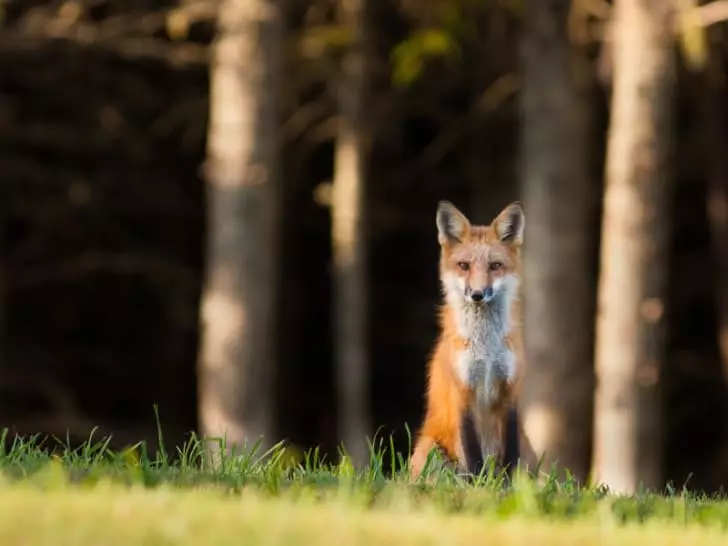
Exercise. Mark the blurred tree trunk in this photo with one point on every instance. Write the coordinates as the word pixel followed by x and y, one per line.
pixel 560 201
pixel 349 241
pixel 635 229
pixel 237 358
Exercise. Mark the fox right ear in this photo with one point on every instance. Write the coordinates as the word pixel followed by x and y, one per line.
pixel 509 224
pixel 452 225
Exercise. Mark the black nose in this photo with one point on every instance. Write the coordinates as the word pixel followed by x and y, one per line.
pixel 477 295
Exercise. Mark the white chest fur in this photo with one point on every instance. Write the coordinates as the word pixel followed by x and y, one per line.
pixel 487 361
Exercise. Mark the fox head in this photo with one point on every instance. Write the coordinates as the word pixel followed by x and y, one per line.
pixel 479 264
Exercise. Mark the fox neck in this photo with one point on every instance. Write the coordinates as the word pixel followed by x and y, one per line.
pixel 482 325
pixel 486 358
pixel 475 321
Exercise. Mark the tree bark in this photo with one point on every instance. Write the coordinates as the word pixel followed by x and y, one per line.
pixel 237 357
pixel 560 200
pixel 635 229
pixel 349 242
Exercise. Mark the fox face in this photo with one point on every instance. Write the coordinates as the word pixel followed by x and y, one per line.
pixel 479 264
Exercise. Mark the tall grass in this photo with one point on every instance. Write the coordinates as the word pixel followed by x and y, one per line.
pixel 384 482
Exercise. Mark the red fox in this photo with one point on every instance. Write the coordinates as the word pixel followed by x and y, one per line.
pixel 474 371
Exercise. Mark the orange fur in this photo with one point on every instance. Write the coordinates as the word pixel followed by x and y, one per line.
pixel 475 366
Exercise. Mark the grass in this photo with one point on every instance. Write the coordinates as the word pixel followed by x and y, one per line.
pixel 92 495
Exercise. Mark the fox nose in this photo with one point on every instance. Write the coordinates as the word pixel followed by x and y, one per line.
pixel 480 295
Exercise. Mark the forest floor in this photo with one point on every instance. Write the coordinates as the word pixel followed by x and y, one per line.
pixel 93 496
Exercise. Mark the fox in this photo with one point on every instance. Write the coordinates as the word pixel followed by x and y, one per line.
pixel 474 371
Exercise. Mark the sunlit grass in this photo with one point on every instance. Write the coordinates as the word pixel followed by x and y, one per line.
pixel 94 495
pixel 107 514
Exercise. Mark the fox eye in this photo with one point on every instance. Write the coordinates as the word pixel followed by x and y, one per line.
pixel 464 265
pixel 494 266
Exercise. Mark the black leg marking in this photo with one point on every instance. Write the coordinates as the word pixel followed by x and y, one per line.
pixel 512 452
pixel 471 446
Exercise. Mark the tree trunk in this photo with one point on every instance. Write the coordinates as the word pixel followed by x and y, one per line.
pixel 349 243
pixel 635 229
pixel 560 200
pixel 237 357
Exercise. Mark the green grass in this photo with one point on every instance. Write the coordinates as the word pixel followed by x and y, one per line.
pixel 93 495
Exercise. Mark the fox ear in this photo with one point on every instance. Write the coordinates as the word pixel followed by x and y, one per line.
pixel 509 224
pixel 452 225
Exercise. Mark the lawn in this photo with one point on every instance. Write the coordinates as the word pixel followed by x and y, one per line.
pixel 92 496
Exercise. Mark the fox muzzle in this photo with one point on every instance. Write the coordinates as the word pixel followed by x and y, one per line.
pixel 486 294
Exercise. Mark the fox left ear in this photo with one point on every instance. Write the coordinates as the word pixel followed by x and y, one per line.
pixel 452 225
pixel 509 224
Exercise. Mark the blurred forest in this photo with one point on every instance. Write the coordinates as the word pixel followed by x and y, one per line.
pixel 159 164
